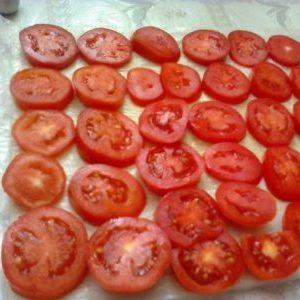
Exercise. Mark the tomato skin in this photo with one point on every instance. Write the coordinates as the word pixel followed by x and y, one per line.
pixel 214 122
pixel 295 81
pixel 270 122
pixel 155 44
pixel 291 218
pixel 296 115
pixel 180 81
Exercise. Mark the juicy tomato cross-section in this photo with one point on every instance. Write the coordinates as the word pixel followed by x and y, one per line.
pixel 296 115
pixel 295 81
pixel 291 218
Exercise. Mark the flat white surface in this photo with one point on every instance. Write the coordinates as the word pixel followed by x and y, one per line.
pixel 265 17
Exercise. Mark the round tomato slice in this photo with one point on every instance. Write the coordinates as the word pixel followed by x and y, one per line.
pixel 209 267
pixel 101 192
pixel 232 162
pixel 107 137
pixel 105 46
pixel 181 81
pixel 269 81
pixel 281 170
pixel 295 81
pixel 270 122
pixel 164 121
pixel 245 204
pixel 297 116
pixel 47 132
pixel 188 216
pixel 33 180
pixel 165 168
pixel 271 256
pixel 284 50
pixel 226 83
pixel 155 44
pixel 205 46
pixel 48 46
pixel 38 88
pixel 128 255
pixel 214 121
pixel 247 48
pixel 44 253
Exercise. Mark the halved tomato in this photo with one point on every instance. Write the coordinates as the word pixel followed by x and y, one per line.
pixel 188 216
pixel 164 121
pixel 297 116
pixel 295 81
pixel 107 137
pixel 33 180
pixel 101 192
pixel 209 267
pixel 291 218
pixel 38 88
pixel 270 122
pixel 205 46
pixel 281 170
pixel 99 86
pixel 271 256
pixel 232 162
pixel 128 255
pixel 44 253
pixel 215 122
pixel 165 168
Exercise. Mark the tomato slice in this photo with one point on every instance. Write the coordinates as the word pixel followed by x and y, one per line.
pixel 155 44
pixel 47 45
pixel 226 83
pixel 284 50
pixel 107 137
pixel 245 204
pixel 38 88
pixel 165 168
pixel 291 218
pixel 128 255
pixel 47 132
pixel 271 256
pixel 232 162
pixel 270 122
pixel 165 121
pixel 209 267
pixel 181 81
pixel 269 81
pixel 297 116
pixel 205 46
pixel 214 121
pixel 189 216
pixel 281 170
pixel 44 253
pixel 101 192
pixel 295 81
pixel 247 48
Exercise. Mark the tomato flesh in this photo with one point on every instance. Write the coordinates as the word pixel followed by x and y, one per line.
pixel 291 218
pixel 296 116
pixel 295 81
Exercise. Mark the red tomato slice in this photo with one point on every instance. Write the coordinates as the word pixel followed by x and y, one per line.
pixel 48 46
pixel 33 180
pixel 165 121
pixel 181 81
pixel 107 137
pixel 291 218
pixel 165 168
pixel 281 170
pixel 226 83
pixel 214 121
pixel 297 116
pixel 270 122
pixel 188 216
pixel 269 81
pixel 295 81
pixel 101 192
pixel 209 267
pixel 128 255
pixel 205 46
pixel 38 88
pixel 247 48
pixel 284 50
pixel 44 253
pixel 47 132
pixel 232 162
pixel 144 86
pixel 271 256
pixel 155 44
pixel 99 87
pixel 245 204
pixel 105 46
